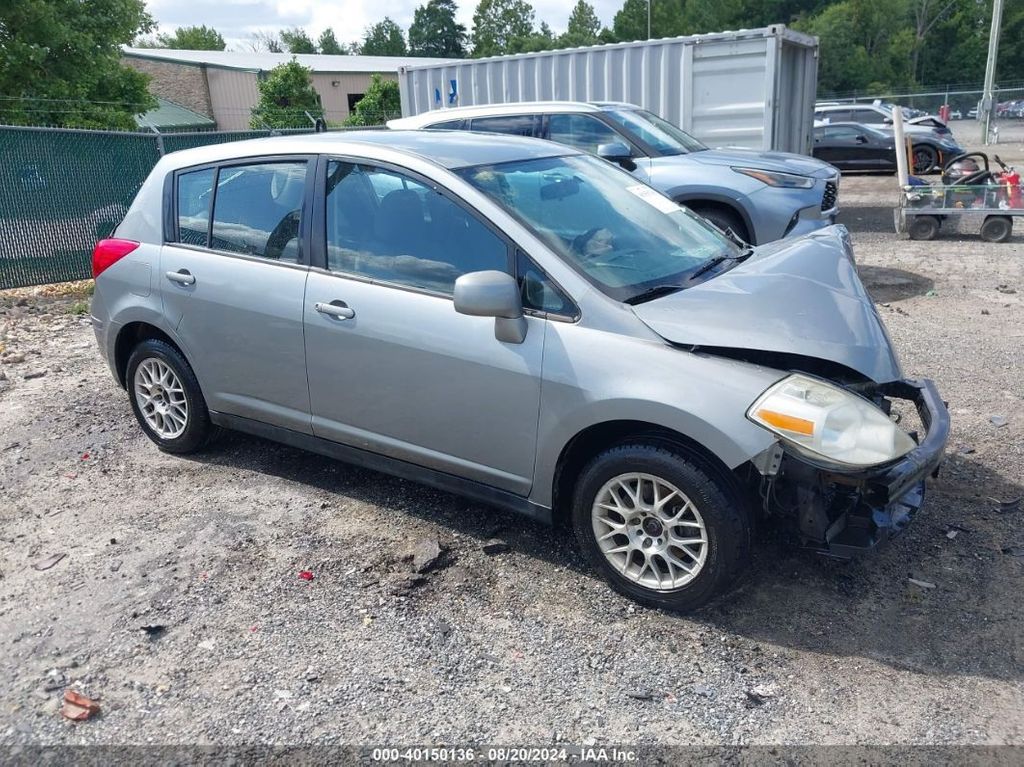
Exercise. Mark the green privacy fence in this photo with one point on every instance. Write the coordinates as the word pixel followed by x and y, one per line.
pixel 62 189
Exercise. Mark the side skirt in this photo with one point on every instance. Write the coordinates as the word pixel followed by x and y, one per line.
pixel 476 491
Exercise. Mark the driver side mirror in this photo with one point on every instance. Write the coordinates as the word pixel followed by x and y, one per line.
pixel 493 294
pixel 618 153
pixel 861 138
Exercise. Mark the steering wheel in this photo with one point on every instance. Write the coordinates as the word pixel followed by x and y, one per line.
pixel 287 229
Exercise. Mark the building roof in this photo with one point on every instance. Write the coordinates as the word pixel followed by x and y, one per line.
pixel 255 62
pixel 168 114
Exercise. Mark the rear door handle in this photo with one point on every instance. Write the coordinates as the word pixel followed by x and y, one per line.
pixel 337 309
pixel 182 277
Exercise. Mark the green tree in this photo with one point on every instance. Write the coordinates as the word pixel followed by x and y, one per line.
pixel 295 40
pixel 286 95
pixel 862 48
pixel 201 38
pixel 381 103
pixel 583 28
pixel 329 45
pixel 542 39
pixel 435 32
pixel 630 23
pixel 383 39
pixel 498 23
pixel 60 63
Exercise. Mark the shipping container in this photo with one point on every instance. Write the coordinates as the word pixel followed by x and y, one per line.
pixel 753 88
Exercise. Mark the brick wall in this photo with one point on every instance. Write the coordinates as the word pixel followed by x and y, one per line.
pixel 181 83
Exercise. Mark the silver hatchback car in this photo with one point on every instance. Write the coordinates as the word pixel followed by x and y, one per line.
pixel 524 324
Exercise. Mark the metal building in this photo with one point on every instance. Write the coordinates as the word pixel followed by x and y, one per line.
pixel 751 88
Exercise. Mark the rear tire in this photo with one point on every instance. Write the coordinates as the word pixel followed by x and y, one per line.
pixel 166 398
pixel 659 526
pixel 923 227
pixel 724 219
pixel 997 228
pixel 925 158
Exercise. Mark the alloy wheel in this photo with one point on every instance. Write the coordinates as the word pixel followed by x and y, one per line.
pixel 161 398
pixel 649 531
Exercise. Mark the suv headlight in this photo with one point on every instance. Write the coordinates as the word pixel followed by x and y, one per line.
pixel 774 178
pixel 830 423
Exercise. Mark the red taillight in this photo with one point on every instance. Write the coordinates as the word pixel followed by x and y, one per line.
pixel 108 252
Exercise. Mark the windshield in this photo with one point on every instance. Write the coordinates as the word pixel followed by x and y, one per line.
pixel 661 135
pixel 622 236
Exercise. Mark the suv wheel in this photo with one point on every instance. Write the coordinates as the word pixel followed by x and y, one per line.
pixel 659 527
pixel 166 398
pixel 723 219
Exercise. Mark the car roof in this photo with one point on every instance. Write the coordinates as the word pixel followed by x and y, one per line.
pixel 836 107
pixel 448 149
pixel 500 110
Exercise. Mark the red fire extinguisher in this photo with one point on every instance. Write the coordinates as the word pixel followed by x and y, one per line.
pixel 1011 178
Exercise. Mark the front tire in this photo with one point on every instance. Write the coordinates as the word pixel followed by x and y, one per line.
pixel 166 398
pixel 661 528
pixel 723 219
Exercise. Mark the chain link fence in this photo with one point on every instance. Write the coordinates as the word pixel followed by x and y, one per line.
pixel 62 189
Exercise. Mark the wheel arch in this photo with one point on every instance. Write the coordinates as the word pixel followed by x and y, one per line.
pixel 130 336
pixel 698 201
pixel 591 441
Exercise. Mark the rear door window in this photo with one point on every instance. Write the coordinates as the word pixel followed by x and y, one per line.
pixel 512 125
pixel 258 210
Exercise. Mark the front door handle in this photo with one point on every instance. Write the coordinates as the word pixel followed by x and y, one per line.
pixel 336 309
pixel 182 277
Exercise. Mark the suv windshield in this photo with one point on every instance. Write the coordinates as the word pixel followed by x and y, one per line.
pixel 622 236
pixel 660 135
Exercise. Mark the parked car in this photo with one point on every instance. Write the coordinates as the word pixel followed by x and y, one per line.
pixel 761 196
pixel 956 114
pixel 851 146
pixel 527 325
pixel 879 116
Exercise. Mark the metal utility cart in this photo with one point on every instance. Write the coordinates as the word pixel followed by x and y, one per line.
pixel 994 198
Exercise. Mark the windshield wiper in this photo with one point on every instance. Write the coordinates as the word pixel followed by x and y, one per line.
pixel 651 293
pixel 711 263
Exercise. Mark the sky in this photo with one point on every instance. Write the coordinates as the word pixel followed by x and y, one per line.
pixel 237 20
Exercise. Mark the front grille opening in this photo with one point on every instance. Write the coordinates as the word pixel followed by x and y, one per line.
pixel 828 201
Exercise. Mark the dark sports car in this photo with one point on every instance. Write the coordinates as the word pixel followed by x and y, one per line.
pixel 852 146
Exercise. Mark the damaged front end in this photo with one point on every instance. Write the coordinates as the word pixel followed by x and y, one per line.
pixel 843 510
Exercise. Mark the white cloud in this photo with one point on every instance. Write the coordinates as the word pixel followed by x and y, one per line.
pixel 238 20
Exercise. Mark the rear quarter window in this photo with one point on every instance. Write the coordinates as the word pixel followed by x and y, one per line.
pixel 194 194
pixel 511 125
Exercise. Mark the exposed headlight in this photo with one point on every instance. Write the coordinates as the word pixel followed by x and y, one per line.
pixel 774 178
pixel 829 423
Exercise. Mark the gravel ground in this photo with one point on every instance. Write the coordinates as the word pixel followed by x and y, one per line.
pixel 521 646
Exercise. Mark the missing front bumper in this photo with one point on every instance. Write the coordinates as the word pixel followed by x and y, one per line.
pixel 844 513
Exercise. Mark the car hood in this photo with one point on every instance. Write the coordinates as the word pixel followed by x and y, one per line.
pixel 800 297
pixel 774 161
